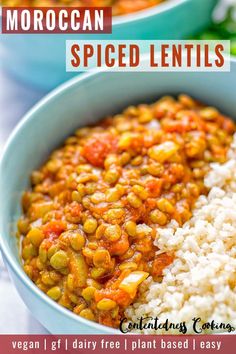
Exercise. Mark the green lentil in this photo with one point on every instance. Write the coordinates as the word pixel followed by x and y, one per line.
pixel 59 260
pixel 113 233
pixel 90 225
pixel 77 241
pixel 54 293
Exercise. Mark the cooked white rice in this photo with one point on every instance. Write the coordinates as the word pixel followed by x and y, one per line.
pixel 201 282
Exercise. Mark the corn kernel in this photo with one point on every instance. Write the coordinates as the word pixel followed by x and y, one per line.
pixel 81 189
pixel 111 176
pixel 43 255
pixel 88 314
pixel 100 231
pixel 88 293
pixel 130 227
pixel 70 282
pixel 209 113
pixel 165 205
pixel 79 308
pixel 76 196
pixel 90 188
pixel 29 251
pixel 110 160
pixel 155 169
pixel 52 250
pixel 97 198
pixel 54 293
pixel 36 236
pixel 59 260
pixel 115 214
pixel 125 158
pixel 93 283
pixel 23 226
pixel 137 161
pixel 158 217
pixel 140 191
pixel 112 195
pixel 97 272
pixel 186 101
pixel 101 258
pixel 77 241
pixel 90 225
pixel 106 305
pixel 46 279
pixel 134 201
pixel 146 116
pixel 39 264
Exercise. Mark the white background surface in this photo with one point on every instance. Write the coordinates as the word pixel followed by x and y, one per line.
pixel 15 100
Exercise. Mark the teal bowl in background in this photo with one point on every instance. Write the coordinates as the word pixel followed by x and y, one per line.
pixel 81 101
pixel 39 60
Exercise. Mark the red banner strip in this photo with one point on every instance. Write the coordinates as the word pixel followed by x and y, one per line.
pixel 41 344
pixel 56 20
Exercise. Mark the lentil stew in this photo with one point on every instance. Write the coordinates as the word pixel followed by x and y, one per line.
pixel 90 218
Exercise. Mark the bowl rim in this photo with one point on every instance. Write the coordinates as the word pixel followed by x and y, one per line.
pixel 142 14
pixel 8 257
pixel 149 12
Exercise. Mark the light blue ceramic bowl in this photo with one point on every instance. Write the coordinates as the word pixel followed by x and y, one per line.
pixel 40 59
pixel 79 102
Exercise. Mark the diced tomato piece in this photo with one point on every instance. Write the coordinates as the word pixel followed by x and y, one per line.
pixel 228 126
pixel 190 121
pixel 150 203
pixel 176 173
pixel 120 296
pixel 98 147
pixel 160 263
pixel 53 229
pixel 154 186
pixel 75 209
pixel 137 143
pixel 47 243
pixel 119 247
